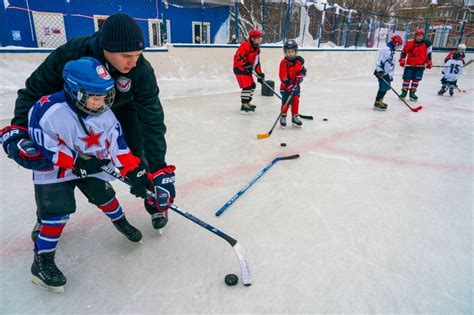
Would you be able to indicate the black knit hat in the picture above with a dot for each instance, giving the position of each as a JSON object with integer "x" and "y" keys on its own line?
{"x": 120, "y": 33}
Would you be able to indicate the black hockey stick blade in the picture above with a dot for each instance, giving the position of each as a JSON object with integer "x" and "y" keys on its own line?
{"x": 308, "y": 117}
{"x": 289, "y": 157}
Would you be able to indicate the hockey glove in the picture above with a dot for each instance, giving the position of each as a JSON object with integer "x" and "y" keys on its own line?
{"x": 85, "y": 167}
{"x": 248, "y": 67}
{"x": 163, "y": 180}
{"x": 261, "y": 78}
{"x": 292, "y": 88}
{"x": 402, "y": 62}
{"x": 299, "y": 78}
{"x": 139, "y": 181}
{"x": 429, "y": 64}
{"x": 379, "y": 74}
{"x": 19, "y": 147}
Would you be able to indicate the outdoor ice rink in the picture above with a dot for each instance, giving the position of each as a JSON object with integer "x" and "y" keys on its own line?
{"x": 374, "y": 217}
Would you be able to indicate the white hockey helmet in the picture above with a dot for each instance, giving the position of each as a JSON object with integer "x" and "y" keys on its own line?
{"x": 462, "y": 47}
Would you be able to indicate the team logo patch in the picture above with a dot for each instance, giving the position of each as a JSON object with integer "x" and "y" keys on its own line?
{"x": 102, "y": 72}
{"x": 123, "y": 84}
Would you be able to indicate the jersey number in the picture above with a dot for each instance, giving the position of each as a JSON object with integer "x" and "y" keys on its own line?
{"x": 36, "y": 135}
{"x": 455, "y": 69}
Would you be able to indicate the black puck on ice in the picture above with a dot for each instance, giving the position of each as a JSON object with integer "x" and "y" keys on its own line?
{"x": 282, "y": 144}
{"x": 325, "y": 119}
{"x": 231, "y": 279}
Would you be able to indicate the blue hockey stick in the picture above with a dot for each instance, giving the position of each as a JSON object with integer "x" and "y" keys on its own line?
{"x": 263, "y": 171}
{"x": 238, "y": 250}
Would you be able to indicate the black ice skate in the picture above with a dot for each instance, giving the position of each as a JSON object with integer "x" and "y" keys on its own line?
{"x": 247, "y": 109}
{"x": 442, "y": 91}
{"x": 46, "y": 273}
{"x": 130, "y": 232}
{"x": 159, "y": 219}
{"x": 283, "y": 121}
{"x": 379, "y": 105}
{"x": 295, "y": 120}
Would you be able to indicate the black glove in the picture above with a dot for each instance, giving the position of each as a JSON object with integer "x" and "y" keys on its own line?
{"x": 379, "y": 74}
{"x": 248, "y": 67}
{"x": 85, "y": 167}
{"x": 261, "y": 78}
{"x": 139, "y": 181}
{"x": 19, "y": 147}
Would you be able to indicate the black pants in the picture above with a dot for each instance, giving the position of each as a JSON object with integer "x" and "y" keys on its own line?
{"x": 58, "y": 199}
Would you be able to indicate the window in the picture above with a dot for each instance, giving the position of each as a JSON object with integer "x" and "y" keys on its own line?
{"x": 201, "y": 33}
{"x": 158, "y": 36}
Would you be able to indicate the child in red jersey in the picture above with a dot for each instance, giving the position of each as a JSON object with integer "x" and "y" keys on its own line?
{"x": 246, "y": 60}
{"x": 292, "y": 73}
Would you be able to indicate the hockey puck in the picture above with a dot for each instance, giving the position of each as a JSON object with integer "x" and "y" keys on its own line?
{"x": 282, "y": 144}
{"x": 231, "y": 279}
{"x": 325, "y": 119}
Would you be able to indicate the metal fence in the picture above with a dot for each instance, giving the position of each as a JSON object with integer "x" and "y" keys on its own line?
{"x": 42, "y": 23}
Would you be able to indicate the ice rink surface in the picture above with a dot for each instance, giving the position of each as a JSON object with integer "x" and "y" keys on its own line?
{"x": 375, "y": 216}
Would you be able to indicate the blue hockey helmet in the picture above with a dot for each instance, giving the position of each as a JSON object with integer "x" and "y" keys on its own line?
{"x": 87, "y": 77}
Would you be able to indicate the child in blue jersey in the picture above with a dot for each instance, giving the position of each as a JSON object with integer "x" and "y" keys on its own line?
{"x": 76, "y": 132}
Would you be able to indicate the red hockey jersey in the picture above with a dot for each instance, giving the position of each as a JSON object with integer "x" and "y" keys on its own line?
{"x": 289, "y": 70}
{"x": 247, "y": 54}
{"x": 416, "y": 53}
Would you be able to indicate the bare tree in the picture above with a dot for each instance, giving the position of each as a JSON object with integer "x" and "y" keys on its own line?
{"x": 369, "y": 6}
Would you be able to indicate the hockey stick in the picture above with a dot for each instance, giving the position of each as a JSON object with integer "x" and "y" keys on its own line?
{"x": 244, "y": 267}
{"x": 279, "y": 96}
{"x": 267, "y": 135}
{"x": 260, "y": 174}
{"x": 465, "y": 65}
{"x": 415, "y": 109}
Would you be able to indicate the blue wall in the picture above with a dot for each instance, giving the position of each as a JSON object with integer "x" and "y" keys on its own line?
{"x": 79, "y": 22}
{"x": 181, "y": 21}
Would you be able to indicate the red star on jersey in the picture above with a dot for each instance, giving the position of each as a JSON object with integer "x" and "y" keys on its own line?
{"x": 44, "y": 99}
{"x": 92, "y": 139}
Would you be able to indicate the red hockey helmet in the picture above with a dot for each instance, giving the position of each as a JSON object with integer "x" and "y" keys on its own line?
{"x": 419, "y": 32}
{"x": 255, "y": 34}
{"x": 397, "y": 40}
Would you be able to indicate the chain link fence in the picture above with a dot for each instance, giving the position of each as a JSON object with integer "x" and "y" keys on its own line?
{"x": 49, "y": 24}
{"x": 317, "y": 24}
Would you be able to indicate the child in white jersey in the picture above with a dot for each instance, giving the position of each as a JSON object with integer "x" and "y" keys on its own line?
{"x": 75, "y": 131}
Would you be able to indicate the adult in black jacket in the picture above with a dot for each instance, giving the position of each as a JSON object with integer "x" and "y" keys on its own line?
{"x": 119, "y": 46}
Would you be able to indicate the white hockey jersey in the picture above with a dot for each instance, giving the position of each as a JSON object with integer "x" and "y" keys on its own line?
{"x": 55, "y": 128}
{"x": 453, "y": 69}
{"x": 385, "y": 60}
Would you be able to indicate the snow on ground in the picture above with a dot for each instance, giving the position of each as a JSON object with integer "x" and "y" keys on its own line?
{"x": 375, "y": 216}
